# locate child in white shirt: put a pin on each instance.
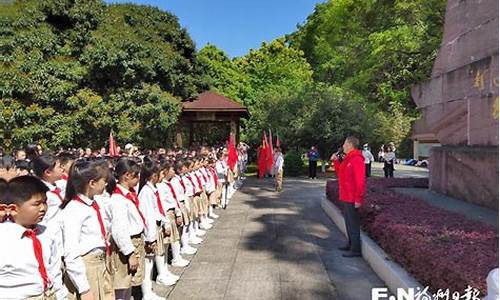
(31, 263)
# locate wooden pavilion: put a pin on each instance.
(208, 119)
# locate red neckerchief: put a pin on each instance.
(37, 249)
(158, 201)
(192, 183)
(199, 181)
(173, 193)
(182, 183)
(57, 192)
(204, 174)
(132, 196)
(214, 175)
(95, 206)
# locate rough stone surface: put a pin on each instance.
(459, 104)
(470, 34)
(467, 173)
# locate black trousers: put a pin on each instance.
(368, 169)
(352, 225)
(312, 168)
(388, 170)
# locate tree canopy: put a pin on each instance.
(71, 71)
(351, 62)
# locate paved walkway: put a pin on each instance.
(401, 171)
(274, 246)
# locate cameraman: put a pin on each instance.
(350, 168)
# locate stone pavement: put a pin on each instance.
(400, 171)
(274, 246)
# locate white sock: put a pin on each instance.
(223, 198)
(176, 250)
(210, 210)
(161, 266)
(184, 237)
(147, 286)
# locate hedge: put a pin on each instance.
(441, 249)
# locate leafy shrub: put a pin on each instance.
(293, 164)
(440, 248)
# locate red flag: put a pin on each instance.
(270, 155)
(112, 146)
(262, 159)
(232, 156)
(278, 142)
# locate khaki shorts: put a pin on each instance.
(123, 279)
(98, 275)
(174, 229)
(219, 192)
(279, 180)
(50, 294)
(204, 203)
(212, 198)
(194, 209)
(185, 215)
(160, 241)
(199, 204)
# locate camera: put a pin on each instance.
(340, 154)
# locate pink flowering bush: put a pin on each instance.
(441, 249)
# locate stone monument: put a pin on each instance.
(459, 104)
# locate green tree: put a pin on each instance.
(223, 76)
(332, 114)
(379, 49)
(276, 72)
(71, 71)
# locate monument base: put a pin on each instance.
(466, 173)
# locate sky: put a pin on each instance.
(235, 26)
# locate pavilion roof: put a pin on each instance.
(212, 102)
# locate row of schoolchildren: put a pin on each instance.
(93, 229)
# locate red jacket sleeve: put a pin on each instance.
(336, 165)
(359, 180)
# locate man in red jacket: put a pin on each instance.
(351, 178)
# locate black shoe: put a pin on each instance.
(345, 248)
(352, 254)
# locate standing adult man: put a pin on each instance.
(367, 154)
(313, 157)
(351, 178)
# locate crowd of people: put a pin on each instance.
(81, 224)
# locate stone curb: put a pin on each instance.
(389, 271)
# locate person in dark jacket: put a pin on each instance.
(313, 157)
(389, 160)
(352, 187)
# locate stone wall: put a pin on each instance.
(467, 173)
(459, 104)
